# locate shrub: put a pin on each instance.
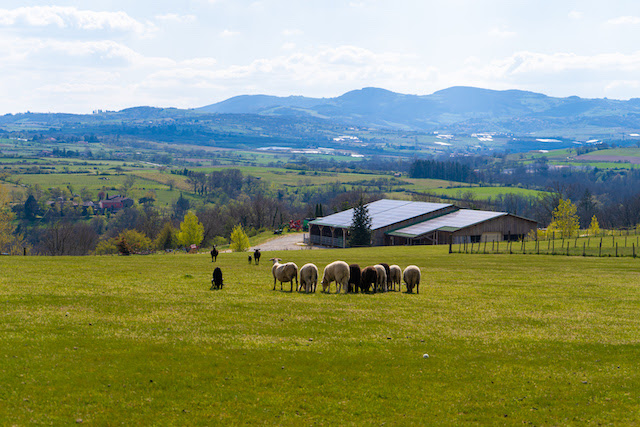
(239, 239)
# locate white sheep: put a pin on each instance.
(381, 284)
(308, 277)
(411, 277)
(286, 272)
(337, 271)
(396, 276)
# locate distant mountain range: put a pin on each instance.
(461, 109)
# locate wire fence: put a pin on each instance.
(593, 246)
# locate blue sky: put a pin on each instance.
(78, 56)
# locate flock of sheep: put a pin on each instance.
(349, 278)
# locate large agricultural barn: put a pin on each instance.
(399, 222)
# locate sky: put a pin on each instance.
(80, 56)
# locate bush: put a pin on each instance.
(220, 241)
(239, 239)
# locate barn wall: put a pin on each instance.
(508, 225)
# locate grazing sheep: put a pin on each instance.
(395, 273)
(249, 259)
(216, 282)
(214, 254)
(369, 277)
(284, 273)
(354, 278)
(387, 273)
(308, 278)
(256, 256)
(411, 277)
(337, 271)
(381, 283)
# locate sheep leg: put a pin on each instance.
(274, 284)
(417, 288)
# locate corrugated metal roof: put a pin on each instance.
(383, 213)
(450, 222)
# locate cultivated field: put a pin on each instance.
(511, 339)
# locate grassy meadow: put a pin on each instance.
(511, 339)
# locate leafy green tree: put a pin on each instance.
(594, 228)
(10, 241)
(31, 208)
(167, 238)
(191, 230)
(239, 239)
(360, 230)
(181, 206)
(565, 218)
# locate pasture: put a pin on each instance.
(142, 340)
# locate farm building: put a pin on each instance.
(399, 222)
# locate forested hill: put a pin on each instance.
(464, 109)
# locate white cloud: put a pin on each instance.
(175, 18)
(228, 33)
(624, 20)
(288, 46)
(501, 33)
(289, 32)
(71, 17)
(576, 15)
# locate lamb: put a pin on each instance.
(337, 271)
(256, 256)
(308, 277)
(369, 277)
(387, 274)
(381, 283)
(216, 282)
(249, 259)
(411, 277)
(355, 275)
(214, 254)
(395, 273)
(284, 273)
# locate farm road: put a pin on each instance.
(290, 242)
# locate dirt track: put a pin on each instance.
(289, 242)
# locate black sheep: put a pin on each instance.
(388, 271)
(369, 277)
(256, 256)
(216, 282)
(214, 254)
(354, 278)
(249, 259)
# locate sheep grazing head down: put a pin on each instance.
(287, 272)
(216, 281)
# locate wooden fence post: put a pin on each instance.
(584, 249)
(600, 250)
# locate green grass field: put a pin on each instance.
(512, 339)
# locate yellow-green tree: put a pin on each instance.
(191, 230)
(239, 239)
(594, 228)
(565, 218)
(10, 242)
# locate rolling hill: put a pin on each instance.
(456, 109)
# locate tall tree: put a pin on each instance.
(565, 218)
(239, 239)
(594, 228)
(191, 230)
(360, 230)
(10, 241)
